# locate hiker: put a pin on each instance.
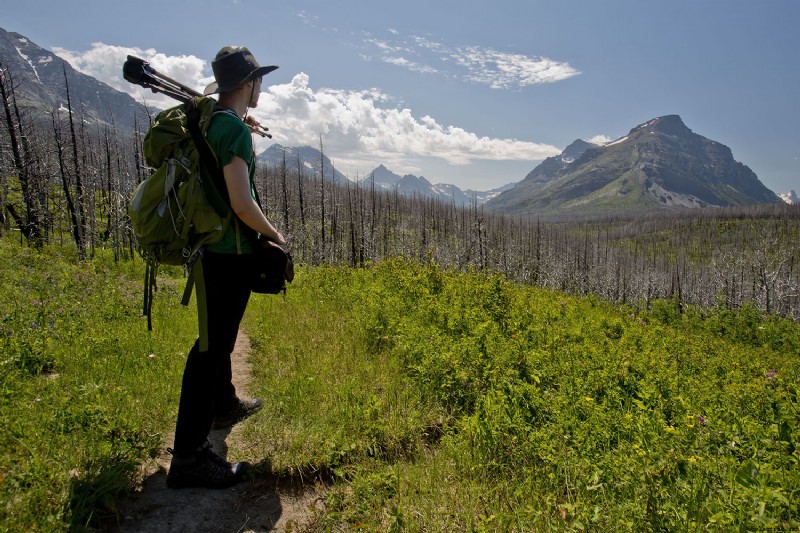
(208, 397)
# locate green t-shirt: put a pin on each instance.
(228, 137)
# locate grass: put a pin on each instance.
(425, 400)
(330, 400)
(446, 401)
(78, 407)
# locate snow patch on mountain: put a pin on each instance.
(28, 60)
(790, 197)
(620, 140)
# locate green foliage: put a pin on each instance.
(429, 400)
(78, 407)
(546, 412)
(331, 397)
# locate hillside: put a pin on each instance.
(40, 79)
(429, 390)
(659, 165)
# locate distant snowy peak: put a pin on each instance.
(308, 159)
(790, 197)
(575, 150)
(419, 186)
(382, 177)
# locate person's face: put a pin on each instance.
(255, 92)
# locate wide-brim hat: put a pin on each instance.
(234, 66)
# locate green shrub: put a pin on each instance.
(553, 412)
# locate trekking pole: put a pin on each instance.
(139, 72)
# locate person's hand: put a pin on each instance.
(279, 239)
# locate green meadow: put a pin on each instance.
(423, 399)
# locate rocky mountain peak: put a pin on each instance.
(660, 164)
(790, 197)
(666, 125)
(576, 149)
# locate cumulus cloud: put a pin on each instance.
(499, 70)
(364, 127)
(104, 62)
(600, 139)
(359, 129)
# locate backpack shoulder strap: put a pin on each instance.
(208, 160)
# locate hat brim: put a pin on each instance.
(214, 88)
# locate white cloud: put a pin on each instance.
(502, 70)
(499, 70)
(600, 139)
(359, 129)
(410, 65)
(104, 62)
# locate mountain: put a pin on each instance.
(384, 179)
(790, 197)
(410, 185)
(308, 157)
(660, 164)
(38, 77)
(547, 171)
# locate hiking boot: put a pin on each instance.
(242, 410)
(203, 468)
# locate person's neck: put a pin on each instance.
(237, 105)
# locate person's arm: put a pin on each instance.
(237, 180)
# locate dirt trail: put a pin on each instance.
(264, 504)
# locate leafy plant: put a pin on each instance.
(551, 412)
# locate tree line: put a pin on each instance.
(65, 179)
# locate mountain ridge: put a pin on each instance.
(41, 74)
(381, 177)
(660, 164)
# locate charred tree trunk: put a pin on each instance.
(352, 228)
(285, 191)
(79, 216)
(62, 170)
(30, 225)
(322, 200)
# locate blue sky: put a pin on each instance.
(469, 92)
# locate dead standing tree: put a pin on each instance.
(77, 213)
(322, 200)
(30, 225)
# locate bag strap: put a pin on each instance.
(150, 270)
(208, 161)
(197, 279)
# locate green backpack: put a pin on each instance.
(179, 209)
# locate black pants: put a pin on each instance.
(207, 388)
